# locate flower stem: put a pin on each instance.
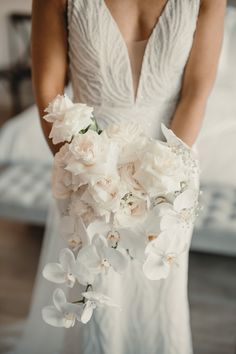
(82, 301)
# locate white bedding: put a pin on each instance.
(21, 138)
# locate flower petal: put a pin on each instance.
(67, 259)
(97, 226)
(88, 311)
(185, 200)
(54, 272)
(154, 268)
(100, 242)
(88, 256)
(52, 316)
(117, 260)
(83, 274)
(171, 138)
(74, 309)
(168, 222)
(59, 298)
(165, 208)
(99, 299)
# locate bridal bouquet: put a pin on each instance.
(123, 197)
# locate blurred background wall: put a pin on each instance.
(7, 7)
(15, 88)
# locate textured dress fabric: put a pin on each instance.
(100, 66)
(142, 81)
(122, 81)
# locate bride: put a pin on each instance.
(154, 61)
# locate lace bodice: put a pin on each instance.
(101, 70)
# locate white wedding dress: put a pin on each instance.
(122, 80)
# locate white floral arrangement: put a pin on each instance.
(123, 197)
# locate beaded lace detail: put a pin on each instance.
(99, 61)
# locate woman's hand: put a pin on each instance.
(200, 71)
(49, 55)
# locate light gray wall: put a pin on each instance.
(6, 7)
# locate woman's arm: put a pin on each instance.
(49, 55)
(200, 71)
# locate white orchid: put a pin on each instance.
(99, 257)
(134, 239)
(94, 300)
(67, 119)
(62, 313)
(99, 226)
(68, 270)
(162, 253)
(65, 314)
(131, 240)
(179, 214)
(133, 210)
(151, 226)
(73, 230)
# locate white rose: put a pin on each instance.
(75, 119)
(68, 119)
(93, 158)
(133, 150)
(77, 206)
(107, 193)
(124, 133)
(126, 172)
(78, 117)
(104, 196)
(57, 108)
(160, 170)
(80, 207)
(99, 210)
(87, 148)
(61, 178)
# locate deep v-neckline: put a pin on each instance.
(125, 47)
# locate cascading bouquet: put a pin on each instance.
(123, 197)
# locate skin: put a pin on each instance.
(135, 19)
